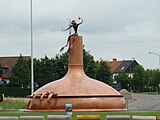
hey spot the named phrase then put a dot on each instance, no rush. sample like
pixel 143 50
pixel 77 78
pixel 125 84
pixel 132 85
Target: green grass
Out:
pixel 10 103
pixel 102 114
pixel 152 93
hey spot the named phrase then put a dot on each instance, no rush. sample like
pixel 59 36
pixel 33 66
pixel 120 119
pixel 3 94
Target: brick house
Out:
pixel 7 63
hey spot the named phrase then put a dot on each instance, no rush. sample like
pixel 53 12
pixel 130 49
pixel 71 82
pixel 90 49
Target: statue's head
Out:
pixel 73 22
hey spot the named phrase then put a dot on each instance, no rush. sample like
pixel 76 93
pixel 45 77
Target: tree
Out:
pixel 103 72
pixel 1 70
pixel 20 76
pixel 89 64
pixel 149 79
pixel 47 70
pixel 156 79
pixel 123 79
pixel 61 65
pixel 43 71
pixel 138 81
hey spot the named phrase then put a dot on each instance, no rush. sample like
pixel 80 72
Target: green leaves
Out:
pixel 1 70
pixel 50 69
pixel 103 72
pixel 20 76
pixel 89 64
pixel 138 78
pixel 123 79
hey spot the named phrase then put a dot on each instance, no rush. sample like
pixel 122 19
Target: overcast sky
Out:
pixel 122 29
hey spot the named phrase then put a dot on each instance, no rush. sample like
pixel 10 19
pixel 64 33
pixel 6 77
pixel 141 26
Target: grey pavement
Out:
pixel 144 102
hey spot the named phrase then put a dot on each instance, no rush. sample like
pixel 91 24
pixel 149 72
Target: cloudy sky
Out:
pixel 122 29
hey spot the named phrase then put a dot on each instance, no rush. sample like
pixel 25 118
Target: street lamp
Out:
pixel 32 73
pixel 156 54
pixel 159 64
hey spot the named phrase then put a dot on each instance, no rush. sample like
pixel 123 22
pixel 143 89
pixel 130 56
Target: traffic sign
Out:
pixel 1 78
pixel 1 82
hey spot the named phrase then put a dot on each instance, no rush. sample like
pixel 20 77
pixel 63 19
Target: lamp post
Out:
pixel 156 54
pixel 159 64
pixel 32 73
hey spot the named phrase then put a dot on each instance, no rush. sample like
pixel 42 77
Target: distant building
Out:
pixel 7 63
pixel 126 66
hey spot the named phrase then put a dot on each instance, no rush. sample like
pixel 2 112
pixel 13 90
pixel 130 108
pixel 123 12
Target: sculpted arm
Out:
pixel 81 20
pixel 67 28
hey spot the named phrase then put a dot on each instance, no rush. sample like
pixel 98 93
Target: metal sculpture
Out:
pixel 76 88
pixel 73 25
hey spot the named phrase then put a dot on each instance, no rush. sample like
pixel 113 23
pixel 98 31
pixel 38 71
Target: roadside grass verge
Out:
pixel 102 114
pixel 21 103
pixel 152 93
pixel 13 103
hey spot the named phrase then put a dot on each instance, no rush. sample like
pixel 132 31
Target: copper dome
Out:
pixel 76 88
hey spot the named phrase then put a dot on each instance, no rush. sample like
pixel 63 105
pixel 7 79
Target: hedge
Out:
pixel 15 91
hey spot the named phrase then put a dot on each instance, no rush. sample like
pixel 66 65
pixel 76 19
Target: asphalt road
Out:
pixel 144 102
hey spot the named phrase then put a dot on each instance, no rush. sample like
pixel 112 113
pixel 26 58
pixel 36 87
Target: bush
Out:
pixel 14 91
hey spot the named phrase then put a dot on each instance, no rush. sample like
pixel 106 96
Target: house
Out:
pixel 7 63
pixel 126 66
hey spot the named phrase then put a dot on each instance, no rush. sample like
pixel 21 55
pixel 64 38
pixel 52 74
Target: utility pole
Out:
pixel 32 73
pixel 159 65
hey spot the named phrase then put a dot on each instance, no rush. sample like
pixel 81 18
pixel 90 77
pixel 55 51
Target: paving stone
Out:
pixel 143 117
pixel 88 117
pixel 9 118
pixel 118 117
pixel 58 117
pixel 31 117
pixel 158 117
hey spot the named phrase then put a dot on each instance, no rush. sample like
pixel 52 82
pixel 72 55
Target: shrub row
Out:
pixel 14 91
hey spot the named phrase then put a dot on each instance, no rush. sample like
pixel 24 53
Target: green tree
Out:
pixel 47 70
pixel 138 81
pixel 89 64
pixel 103 72
pixel 149 79
pixel 61 65
pixel 43 71
pixel 1 70
pixel 20 76
pixel 123 79
pixel 38 73
pixel 156 79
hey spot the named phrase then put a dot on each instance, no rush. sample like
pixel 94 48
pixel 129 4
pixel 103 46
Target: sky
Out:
pixel 121 29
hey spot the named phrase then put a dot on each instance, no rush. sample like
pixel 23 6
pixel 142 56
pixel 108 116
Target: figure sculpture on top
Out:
pixel 73 25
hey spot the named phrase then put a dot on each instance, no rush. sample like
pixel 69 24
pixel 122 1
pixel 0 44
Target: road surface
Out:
pixel 144 102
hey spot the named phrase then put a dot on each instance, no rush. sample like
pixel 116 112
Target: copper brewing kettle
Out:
pixel 76 88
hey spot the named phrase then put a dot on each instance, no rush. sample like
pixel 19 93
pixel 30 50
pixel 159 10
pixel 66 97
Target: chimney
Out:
pixel 114 59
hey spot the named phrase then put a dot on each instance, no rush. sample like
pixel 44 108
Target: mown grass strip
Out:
pixel 102 114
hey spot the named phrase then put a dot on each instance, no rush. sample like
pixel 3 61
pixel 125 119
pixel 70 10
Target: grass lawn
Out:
pixel 102 114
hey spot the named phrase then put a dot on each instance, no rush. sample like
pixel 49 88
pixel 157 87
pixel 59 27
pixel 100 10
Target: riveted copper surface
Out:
pixel 84 93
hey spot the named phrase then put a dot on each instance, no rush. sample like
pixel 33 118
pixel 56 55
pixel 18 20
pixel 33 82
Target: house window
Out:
pixel 5 70
pixel 122 68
